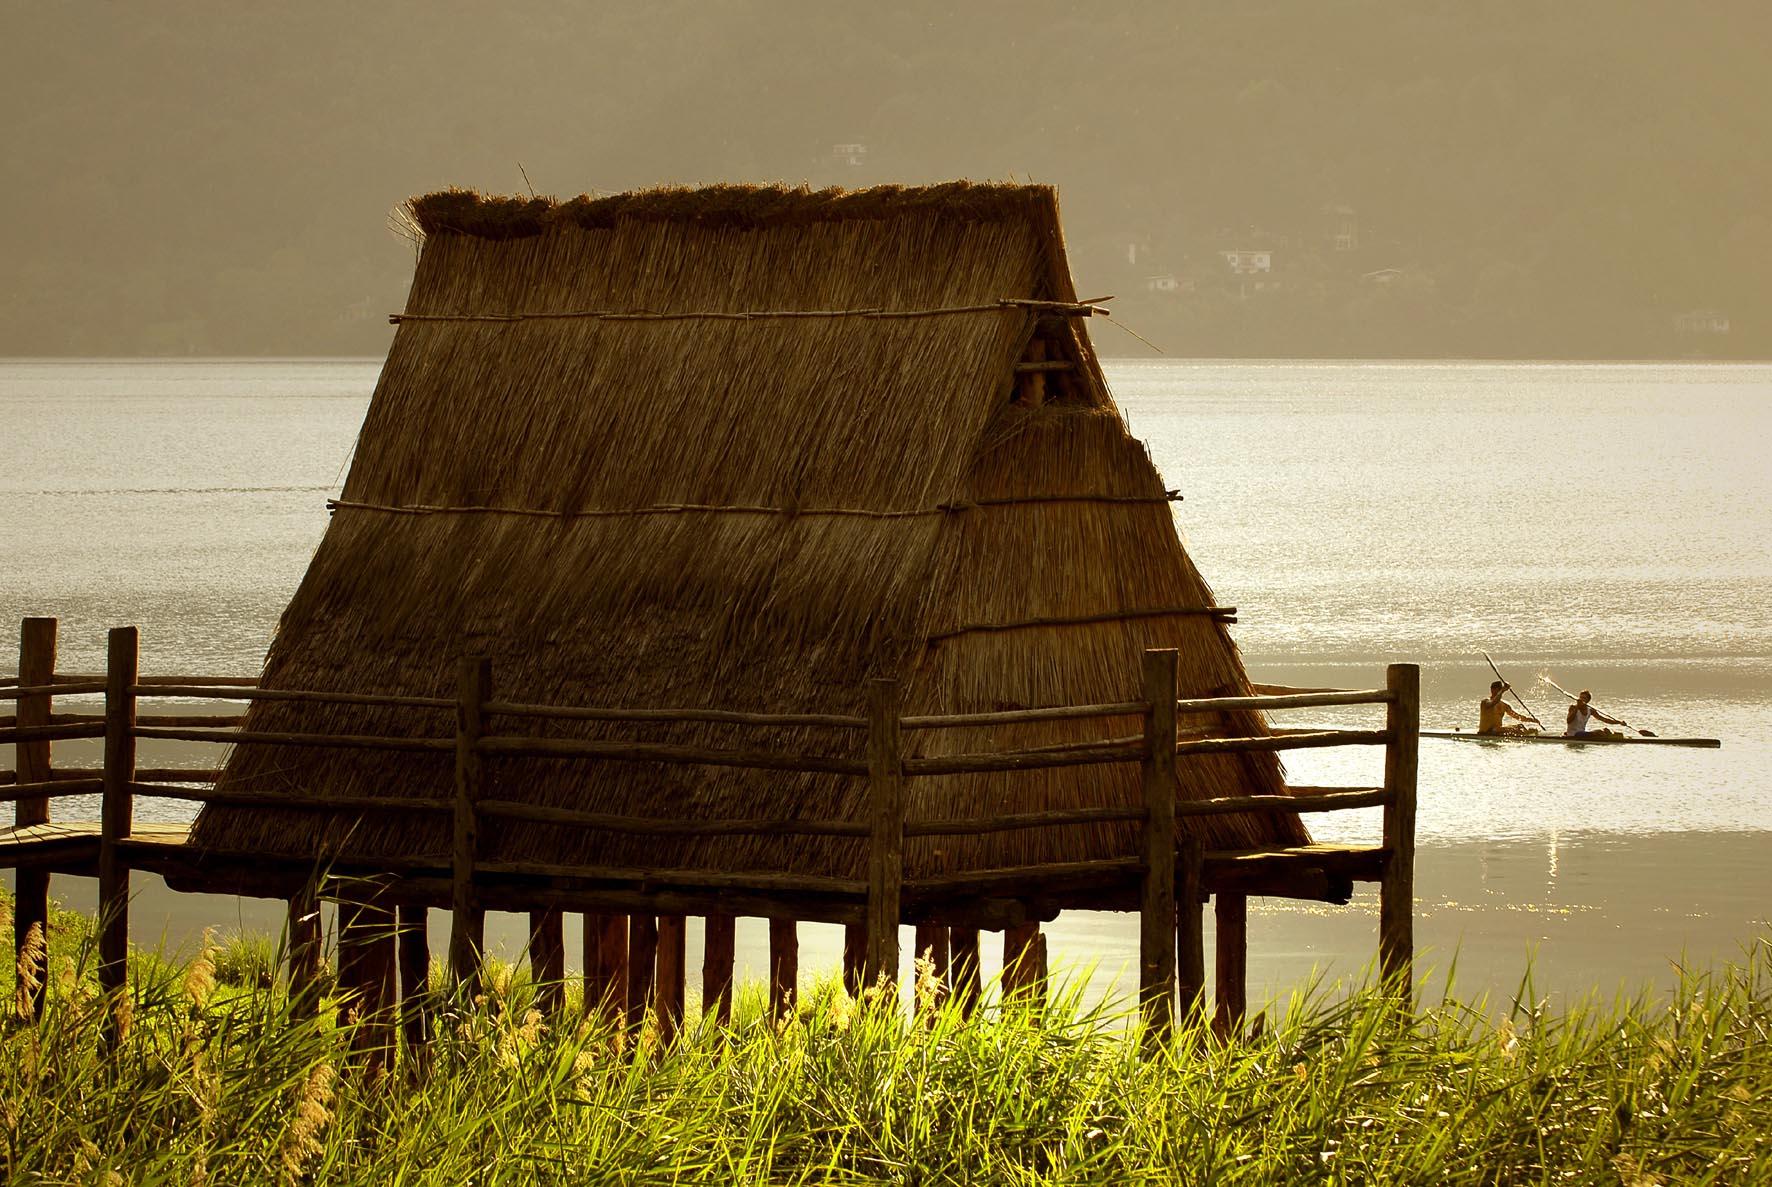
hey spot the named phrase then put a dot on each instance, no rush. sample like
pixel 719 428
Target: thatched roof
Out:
pixel 759 513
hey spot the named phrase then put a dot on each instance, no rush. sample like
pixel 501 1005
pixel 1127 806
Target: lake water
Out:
pixel 1609 525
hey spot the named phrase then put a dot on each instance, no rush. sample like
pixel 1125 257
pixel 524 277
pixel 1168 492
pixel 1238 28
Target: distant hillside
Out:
pixel 1400 177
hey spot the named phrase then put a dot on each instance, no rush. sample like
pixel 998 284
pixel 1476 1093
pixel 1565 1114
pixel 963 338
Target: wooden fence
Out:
pixel 1167 873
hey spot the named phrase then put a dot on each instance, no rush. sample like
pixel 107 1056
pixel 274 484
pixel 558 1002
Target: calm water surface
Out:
pixel 1607 525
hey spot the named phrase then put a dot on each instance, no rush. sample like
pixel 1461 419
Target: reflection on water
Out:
pixel 1608 525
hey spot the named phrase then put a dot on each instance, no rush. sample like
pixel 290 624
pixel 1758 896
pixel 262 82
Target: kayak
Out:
pixel 1473 736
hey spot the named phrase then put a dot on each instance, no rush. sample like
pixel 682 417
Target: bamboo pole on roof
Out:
pixel 31 759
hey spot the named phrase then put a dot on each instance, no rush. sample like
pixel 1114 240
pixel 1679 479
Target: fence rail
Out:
pixel 1160 866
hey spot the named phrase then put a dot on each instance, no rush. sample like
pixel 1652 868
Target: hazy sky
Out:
pixel 1517 177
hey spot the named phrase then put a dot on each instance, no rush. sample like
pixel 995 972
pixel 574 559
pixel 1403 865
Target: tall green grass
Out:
pixel 216 1082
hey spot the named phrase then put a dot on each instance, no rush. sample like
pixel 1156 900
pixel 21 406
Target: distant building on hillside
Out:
pixel 1248 261
pixel 1343 227
pixel 852 155
pixel 1702 321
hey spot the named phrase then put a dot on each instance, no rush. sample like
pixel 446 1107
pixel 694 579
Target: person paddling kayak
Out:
pixel 1492 711
pixel 1579 715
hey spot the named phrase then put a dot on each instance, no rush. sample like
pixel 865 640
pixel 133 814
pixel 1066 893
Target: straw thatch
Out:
pixel 756 513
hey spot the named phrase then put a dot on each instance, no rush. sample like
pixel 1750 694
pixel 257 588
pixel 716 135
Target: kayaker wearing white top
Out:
pixel 1580 712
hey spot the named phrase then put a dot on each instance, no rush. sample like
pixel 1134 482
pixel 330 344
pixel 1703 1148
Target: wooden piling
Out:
pixel 784 966
pixel 1396 895
pixel 307 955
pixel 672 988
pixel 1020 963
pixel 932 947
pixel 122 656
pixel 886 842
pixel 547 958
pixel 717 950
pixel 1190 931
pixel 36 669
pixel 966 972
pixel 855 956
pixel 467 924
pixel 1156 932
pixel 367 963
pixel 642 967
pixel 415 979
pixel 606 964
pixel 1230 977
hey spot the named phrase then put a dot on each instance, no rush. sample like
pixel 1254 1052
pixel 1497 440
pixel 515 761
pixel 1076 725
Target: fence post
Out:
pixel 673 975
pixel 307 956
pixel 415 979
pixel 606 964
pixel 784 967
pixel 932 946
pixel 1396 902
pixel 36 666
pixel 886 843
pixel 122 656
pixel 964 969
pixel 1156 932
pixel 467 924
pixel 1190 929
pixel 1231 977
pixel 642 967
pixel 547 958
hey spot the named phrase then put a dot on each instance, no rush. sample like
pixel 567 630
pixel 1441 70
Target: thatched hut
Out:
pixel 744 448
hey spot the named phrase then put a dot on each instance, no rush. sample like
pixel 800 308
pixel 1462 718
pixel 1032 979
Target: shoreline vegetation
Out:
pixel 216 1080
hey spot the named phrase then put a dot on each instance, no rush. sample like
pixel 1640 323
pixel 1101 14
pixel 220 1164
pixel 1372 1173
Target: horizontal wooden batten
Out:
pixel 655 826
pixel 718 879
pixel 98 678
pixel 146 775
pixel 324 741
pixel 272 799
pixel 1308 700
pixel 509 747
pixel 977 881
pixel 716 716
pixel 1018 716
pixel 214 719
pixel 58 689
pixel 280 694
pixel 49 733
pixel 1285 742
pixel 1021 760
pixel 53 789
pixel 972 826
pixel 1327 802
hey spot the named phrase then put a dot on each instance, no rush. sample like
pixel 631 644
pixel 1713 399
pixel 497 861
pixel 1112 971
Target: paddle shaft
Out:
pixel 1510 688
pixel 1621 721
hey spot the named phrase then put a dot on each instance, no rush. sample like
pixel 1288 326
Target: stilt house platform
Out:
pixel 733 552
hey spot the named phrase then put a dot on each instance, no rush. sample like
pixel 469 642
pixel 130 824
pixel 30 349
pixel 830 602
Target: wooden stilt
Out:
pixel 36 668
pixel 606 964
pixel 1156 933
pixel 1019 958
pixel 415 980
pixel 1231 975
pixel 855 956
pixel 718 944
pixel 642 966
pixel 671 989
pixel 366 976
pixel 784 966
pixel 547 958
pixel 966 971
pixel 886 844
pixel 1190 931
pixel 307 954
pixel 1396 895
pixel 467 922
pixel 113 872
pixel 932 958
